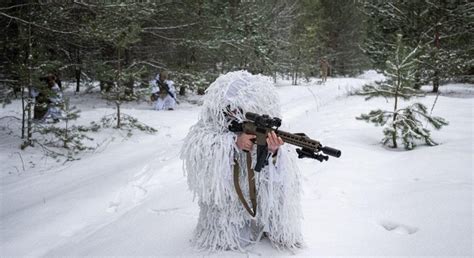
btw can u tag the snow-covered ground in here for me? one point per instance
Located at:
(130, 197)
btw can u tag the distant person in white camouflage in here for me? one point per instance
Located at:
(163, 92)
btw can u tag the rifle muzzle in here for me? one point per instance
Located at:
(331, 151)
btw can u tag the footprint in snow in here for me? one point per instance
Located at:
(164, 211)
(162, 159)
(113, 207)
(398, 228)
(140, 192)
(174, 211)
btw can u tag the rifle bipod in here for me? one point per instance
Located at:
(306, 153)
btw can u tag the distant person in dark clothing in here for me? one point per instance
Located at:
(48, 100)
(324, 69)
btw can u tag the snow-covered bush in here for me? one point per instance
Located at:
(64, 139)
(129, 123)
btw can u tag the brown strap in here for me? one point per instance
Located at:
(252, 189)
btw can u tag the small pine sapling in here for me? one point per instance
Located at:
(67, 136)
(401, 123)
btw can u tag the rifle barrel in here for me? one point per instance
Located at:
(302, 141)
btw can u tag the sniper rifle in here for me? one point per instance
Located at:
(261, 125)
(166, 87)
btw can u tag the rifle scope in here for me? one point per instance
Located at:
(263, 120)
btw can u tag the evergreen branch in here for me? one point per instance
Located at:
(48, 150)
(171, 27)
(164, 37)
(18, 5)
(5, 117)
(36, 25)
(409, 56)
(146, 63)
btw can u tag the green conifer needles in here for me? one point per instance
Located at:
(403, 124)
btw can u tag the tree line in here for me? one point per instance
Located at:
(123, 43)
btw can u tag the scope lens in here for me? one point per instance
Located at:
(251, 116)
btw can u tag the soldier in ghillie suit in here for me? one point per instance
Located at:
(212, 154)
(164, 92)
(48, 99)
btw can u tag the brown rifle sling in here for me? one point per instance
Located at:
(252, 190)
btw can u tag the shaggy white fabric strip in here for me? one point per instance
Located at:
(209, 152)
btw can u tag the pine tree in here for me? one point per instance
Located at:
(32, 50)
(447, 41)
(240, 35)
(65, 138)
(440, 29)
(401, 123)
(118, 27)
(340, 32)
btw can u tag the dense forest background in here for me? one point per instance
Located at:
(127, 42)
(196, 40)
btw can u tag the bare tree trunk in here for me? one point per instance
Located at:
(78, 79)
(119, 74)
(417, 78)
(118, 115)
(436, 80)
(436, 73)
(437, 45)
(78, 71)
(65, 141)
(29, 125)
(23, 112)
(417, 84)
(297, 67)
(129, 81)
(395, 107)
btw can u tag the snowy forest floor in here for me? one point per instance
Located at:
(129, 197)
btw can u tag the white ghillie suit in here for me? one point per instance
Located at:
(56, 99)
(209, 151)
(164, 102)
